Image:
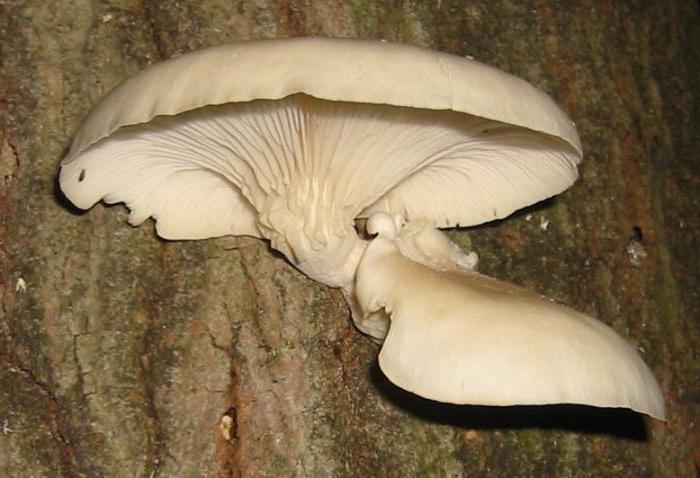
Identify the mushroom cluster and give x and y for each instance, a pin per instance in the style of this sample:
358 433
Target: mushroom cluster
298 141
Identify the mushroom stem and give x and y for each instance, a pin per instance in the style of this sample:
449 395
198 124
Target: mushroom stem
336 264
300 225
418 241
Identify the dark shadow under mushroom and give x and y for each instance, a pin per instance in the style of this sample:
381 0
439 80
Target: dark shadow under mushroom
616 422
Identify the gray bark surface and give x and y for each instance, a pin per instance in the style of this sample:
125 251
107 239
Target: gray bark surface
121 353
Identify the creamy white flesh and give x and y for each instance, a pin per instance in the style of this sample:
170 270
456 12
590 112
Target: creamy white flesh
298 172
460 337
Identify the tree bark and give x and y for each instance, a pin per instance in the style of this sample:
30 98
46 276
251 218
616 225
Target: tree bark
123 355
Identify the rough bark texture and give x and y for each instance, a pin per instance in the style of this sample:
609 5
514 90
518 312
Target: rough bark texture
121 353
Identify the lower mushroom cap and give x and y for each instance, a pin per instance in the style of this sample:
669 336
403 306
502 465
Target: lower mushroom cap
466 338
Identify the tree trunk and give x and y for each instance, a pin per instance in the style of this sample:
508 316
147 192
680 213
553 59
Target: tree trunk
124 355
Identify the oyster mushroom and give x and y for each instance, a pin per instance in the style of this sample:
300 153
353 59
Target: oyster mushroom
293 140
461 337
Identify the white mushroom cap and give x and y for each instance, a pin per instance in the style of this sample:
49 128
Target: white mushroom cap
291 140
335 69
465 338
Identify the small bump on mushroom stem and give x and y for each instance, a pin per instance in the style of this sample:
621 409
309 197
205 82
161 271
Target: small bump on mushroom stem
382 224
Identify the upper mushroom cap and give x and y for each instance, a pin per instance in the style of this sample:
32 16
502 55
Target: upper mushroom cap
293 139
336 69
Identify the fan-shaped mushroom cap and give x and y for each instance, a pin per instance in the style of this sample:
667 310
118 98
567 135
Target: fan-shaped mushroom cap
293 139
465 338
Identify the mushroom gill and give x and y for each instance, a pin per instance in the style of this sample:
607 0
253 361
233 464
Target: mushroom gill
299 170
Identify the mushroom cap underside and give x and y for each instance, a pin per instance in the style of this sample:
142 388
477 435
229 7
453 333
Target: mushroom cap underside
302 169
